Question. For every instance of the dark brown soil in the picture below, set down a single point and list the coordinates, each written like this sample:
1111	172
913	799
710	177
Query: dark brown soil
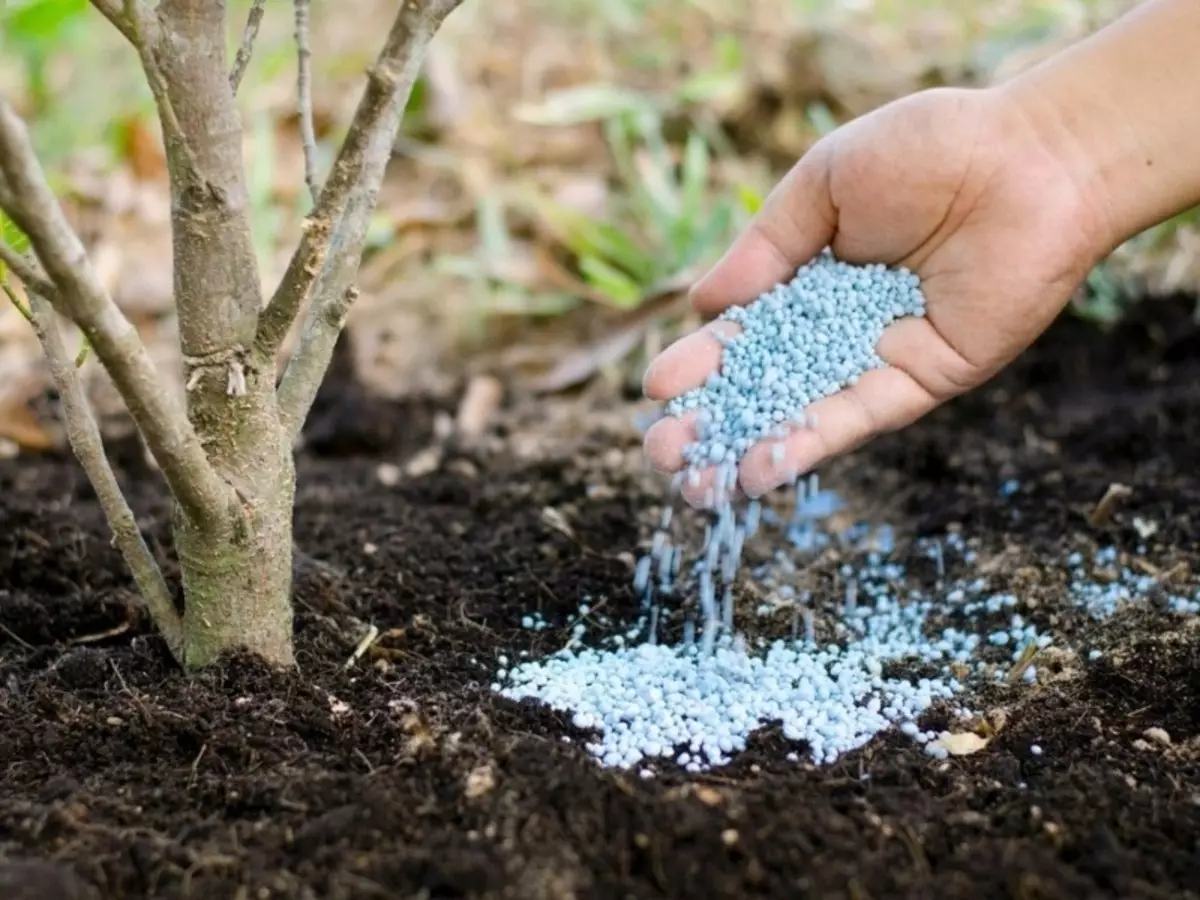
404	776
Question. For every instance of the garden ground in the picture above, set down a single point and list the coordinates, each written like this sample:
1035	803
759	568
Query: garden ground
404	775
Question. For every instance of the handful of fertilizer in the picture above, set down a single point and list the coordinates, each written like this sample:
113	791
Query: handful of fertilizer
806	339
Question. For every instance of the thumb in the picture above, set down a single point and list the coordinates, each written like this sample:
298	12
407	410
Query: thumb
797	220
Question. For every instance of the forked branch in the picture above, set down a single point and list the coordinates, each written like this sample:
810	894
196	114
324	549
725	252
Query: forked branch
22	267
325	263
27	199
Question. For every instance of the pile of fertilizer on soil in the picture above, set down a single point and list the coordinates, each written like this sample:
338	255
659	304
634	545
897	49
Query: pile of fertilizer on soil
697	702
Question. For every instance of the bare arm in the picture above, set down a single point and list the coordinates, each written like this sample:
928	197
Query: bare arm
1122	109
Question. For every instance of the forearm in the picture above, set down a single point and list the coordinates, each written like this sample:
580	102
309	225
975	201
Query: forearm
1122	108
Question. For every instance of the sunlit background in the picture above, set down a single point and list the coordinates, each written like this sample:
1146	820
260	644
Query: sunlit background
567	167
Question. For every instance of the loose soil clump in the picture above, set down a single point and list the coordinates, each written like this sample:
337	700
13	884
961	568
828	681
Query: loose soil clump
402	774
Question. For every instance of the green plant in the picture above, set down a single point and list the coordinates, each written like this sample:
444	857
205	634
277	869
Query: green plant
224	440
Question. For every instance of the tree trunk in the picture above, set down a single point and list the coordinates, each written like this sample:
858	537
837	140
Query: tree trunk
236	562
237	578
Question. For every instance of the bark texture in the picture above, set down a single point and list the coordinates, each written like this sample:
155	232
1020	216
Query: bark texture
236	563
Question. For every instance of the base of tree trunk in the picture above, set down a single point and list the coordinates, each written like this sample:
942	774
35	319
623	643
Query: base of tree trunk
238	587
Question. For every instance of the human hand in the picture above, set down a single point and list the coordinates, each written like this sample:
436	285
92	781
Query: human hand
959	186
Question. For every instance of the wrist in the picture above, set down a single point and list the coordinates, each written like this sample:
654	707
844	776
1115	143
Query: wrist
1118	112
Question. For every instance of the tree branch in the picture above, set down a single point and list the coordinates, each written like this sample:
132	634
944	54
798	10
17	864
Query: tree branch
246	49
145	35
28	200
335	231
304	90
111	10
21	267
88	446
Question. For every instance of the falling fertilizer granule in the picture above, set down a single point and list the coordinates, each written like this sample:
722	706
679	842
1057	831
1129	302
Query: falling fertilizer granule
838	678
802	341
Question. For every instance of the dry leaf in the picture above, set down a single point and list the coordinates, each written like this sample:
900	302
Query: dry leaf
480	781
1145	527
707	795
553	518
142	149
581	363
963	743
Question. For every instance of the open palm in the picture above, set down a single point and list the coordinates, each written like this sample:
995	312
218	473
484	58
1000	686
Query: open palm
948	182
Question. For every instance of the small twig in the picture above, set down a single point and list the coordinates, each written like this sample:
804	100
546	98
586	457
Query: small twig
1024	661
332	228
1107	504
142	32
246	49
364	645
103	635
16	301
88	446
111	10
196	766
21	267
308	132
336	244
16	637
34	282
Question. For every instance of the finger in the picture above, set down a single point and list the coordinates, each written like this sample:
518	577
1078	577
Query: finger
915	346
664	444
709	487
797	220
688	362
882	400
666	439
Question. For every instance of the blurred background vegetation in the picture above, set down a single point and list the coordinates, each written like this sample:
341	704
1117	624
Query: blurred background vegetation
566	168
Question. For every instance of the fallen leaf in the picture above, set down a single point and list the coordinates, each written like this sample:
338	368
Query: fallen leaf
581	363
707	795
142	149
480	781
18	422
1158	735
555	519
962	743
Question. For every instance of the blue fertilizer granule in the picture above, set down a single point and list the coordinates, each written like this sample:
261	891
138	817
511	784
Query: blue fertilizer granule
802	341
830	693
697	701
697	705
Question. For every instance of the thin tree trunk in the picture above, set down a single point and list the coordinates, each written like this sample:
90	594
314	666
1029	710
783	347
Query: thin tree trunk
238	582
237	568
226	456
